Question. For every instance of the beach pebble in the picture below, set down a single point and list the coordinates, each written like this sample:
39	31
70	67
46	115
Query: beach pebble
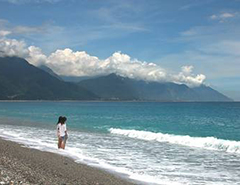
20	167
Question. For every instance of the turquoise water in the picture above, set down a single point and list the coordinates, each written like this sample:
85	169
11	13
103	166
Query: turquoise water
221	120
158	143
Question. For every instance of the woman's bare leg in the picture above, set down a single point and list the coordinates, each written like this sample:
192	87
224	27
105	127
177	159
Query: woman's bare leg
59	142
63	145
64	142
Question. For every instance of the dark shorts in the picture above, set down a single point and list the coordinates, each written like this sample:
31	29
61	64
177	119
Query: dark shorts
62	137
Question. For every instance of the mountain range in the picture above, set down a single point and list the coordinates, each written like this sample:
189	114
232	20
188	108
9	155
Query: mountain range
20	80
114	87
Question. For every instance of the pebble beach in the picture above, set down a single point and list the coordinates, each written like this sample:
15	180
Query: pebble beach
22	165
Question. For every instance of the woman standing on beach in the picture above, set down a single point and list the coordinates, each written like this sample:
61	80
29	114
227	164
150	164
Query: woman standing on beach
58	131
62	132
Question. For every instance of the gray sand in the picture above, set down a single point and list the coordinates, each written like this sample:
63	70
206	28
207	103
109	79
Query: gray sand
29	166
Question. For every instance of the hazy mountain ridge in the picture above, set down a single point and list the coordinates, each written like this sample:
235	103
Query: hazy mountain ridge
50	71
20	80
114	87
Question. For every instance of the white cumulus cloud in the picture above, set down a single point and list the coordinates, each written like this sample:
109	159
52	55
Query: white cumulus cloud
13	47
35	56
186	77
69	63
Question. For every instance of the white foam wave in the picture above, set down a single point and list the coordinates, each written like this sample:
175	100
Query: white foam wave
109	152
200	142
44	142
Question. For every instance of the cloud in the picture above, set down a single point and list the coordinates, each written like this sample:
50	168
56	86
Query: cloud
213	33
28	29
49	36
215	63
187	69
223	16
35	56
190	32
6	28
195	4
224	47
189	79
4	33
79	63
70	63
213	17
12	47
226	15
123	15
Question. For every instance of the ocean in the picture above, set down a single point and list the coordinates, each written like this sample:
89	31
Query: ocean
150	142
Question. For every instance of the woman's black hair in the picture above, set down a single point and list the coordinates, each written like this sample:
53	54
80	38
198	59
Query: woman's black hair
64	119
60	119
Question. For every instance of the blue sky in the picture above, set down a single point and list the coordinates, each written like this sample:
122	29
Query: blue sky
170	33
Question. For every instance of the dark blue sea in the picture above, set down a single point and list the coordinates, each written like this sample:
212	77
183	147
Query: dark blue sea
151	142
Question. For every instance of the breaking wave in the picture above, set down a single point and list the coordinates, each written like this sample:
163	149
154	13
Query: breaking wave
210	143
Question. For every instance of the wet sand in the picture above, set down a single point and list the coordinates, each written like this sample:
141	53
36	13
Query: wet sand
21	165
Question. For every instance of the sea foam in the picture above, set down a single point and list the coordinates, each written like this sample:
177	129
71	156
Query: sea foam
134	160
210	143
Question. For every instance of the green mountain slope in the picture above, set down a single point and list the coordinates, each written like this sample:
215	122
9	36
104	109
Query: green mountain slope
20	80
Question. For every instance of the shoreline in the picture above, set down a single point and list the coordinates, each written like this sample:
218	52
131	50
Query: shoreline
22	165
112	101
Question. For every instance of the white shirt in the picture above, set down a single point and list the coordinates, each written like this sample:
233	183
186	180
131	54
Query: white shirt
61	128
